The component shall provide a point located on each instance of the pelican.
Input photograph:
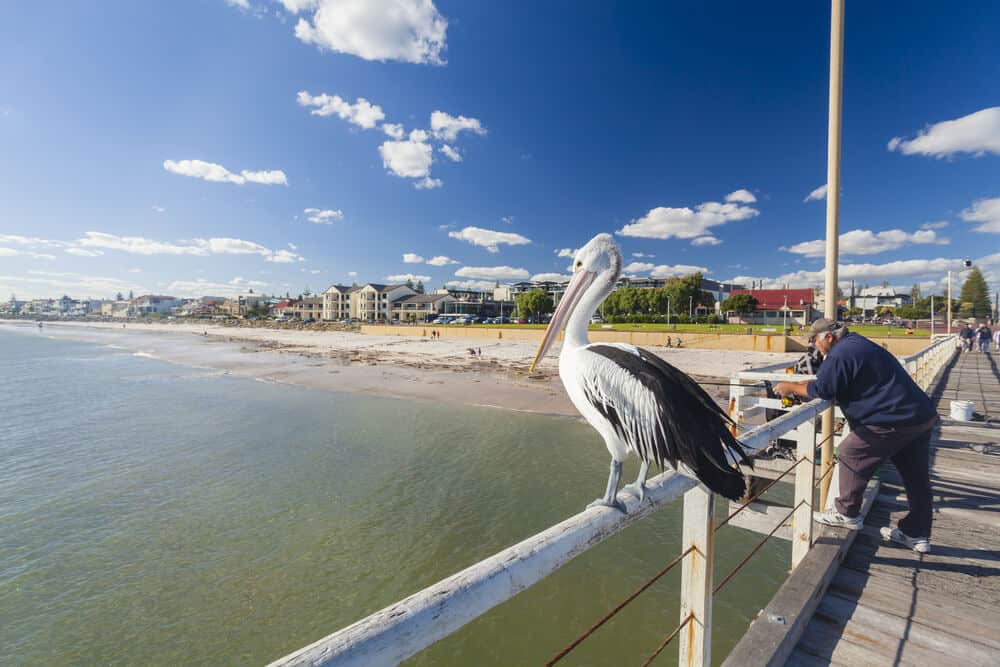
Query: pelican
(636, 401)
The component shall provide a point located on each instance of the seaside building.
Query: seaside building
(337, 302)
(374, 301)
(789, 307)
(154, 304)
(422, 307)
(308, 308)
(870, 300)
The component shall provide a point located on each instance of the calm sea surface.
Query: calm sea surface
(157, 514)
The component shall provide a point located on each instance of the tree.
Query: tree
(130, 297)
(419, 289)
(119, 297)
(739, 303)
(534, 303)
(975, 295)
(409, 283)
(915, 293)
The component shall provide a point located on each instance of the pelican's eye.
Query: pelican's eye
(579, 264)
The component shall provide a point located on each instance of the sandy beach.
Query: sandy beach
(402, 367)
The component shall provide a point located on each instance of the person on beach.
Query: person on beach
(890, 418)
(670, 343)
(996, 339)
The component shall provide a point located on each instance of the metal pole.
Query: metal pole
(932, 317)
(832, 209)
(948, 311)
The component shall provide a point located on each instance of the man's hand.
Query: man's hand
(792, 389)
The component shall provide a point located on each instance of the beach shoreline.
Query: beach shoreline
(495, 376)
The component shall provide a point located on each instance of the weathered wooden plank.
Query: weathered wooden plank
(973, 622)
(773, 635)
(857, 618)
(851, 645)
(762, 517)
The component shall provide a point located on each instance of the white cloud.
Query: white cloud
(640, 255)
(30, 241)
(159, 209)
(292, 246)
(202, 287)
(362, 113)
(138, 245)
(986, 211)
(817, 194)
(11, 252)
(418, 135)
(472, 285)
(492, 272)
(684, 223)
(705, 241)
(978, 133)
(242, 4)
(412, 258)
(669, 271)
(394, 130)
(565, 252)
(489, 239)
(403, 277)
(284, 257)
(934, 225)
(406, 30)
(507, 219)
(741, 196)
(323, 217)
(638, 267)
(407, 159)
(867, 242)
(441, 260)
(550, 278)
(82, 252)
(216, 173)
(352, 274)
(136, 270)
(446, 127)
(452, 154)
(41, 284)
(428, 183)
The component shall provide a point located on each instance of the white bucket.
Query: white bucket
(961, 410)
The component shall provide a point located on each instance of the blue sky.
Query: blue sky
(210, 147)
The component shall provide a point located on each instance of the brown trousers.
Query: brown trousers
(908, 447)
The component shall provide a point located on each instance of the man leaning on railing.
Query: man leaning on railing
(890, 418)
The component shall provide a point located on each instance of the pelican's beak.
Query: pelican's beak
(574, 292)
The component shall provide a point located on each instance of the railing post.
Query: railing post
(696, 577)
(802, 524)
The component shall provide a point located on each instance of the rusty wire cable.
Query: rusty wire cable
(669, 639)
(607, 617)
(756, 548)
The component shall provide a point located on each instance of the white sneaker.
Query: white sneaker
(921, 545)
(834, 518)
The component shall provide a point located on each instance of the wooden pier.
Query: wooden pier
(885, 604)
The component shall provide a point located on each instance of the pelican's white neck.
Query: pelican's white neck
(579, 319)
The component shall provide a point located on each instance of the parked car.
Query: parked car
(596, 319)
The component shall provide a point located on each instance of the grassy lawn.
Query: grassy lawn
(867, 330)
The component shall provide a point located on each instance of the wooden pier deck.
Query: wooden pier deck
(887, 605)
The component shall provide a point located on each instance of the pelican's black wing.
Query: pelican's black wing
(664, 416)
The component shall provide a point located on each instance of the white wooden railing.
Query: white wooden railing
(401, 630)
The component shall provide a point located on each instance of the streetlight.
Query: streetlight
(968, 265)
(691, 307)
(784, 315)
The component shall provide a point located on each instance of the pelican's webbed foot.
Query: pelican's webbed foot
(638, 487)
(613, 504)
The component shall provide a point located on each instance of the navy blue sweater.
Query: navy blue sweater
(870, 385)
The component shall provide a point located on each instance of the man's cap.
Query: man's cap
(824, 325)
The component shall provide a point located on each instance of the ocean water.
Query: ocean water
(157, 514)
